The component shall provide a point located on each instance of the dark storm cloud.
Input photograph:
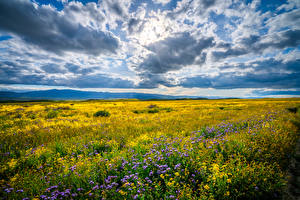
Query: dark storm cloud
(150, 81)
(53, 68)
(266, 74)
(174, 53)
(289, 38)
(257, 44)
(207, 3)
(98, 81)
(118, 9)
(12, 73)
(135, 25)
(50, 30)
(76, 69)
(229, 52)
(267, 65)
(232, 80)
(171, 54)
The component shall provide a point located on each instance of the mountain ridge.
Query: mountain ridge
(68, 94)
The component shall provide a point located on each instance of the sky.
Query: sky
(226, 48)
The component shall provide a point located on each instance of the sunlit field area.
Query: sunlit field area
(130, 149)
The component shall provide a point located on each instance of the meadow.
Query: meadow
(130, 149)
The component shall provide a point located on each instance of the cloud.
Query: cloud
(115, 11)
(258, 44)
(171, 54)
(249, 80)
(286, 20)
(207, 3)
(12, 73)
(256, 30)
(117, 7)
(229, 52)
(281, 40)
(135, 25)
(55, 31)
(163, 2)
(53, 68)
(76, 69)
(98, 81)
(195, 7)
(149, 80)
(269, 73)
(174, 53)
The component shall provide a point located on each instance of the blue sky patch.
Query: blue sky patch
(5, 37)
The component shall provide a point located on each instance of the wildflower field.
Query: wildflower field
(130, 149)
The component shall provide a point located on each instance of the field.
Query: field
(129, 149)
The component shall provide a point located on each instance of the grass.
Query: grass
(185, 149)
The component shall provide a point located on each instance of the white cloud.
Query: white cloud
(287, 20)
(163, 2)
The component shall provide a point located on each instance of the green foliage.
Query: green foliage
(18, 115)
(168, 109)
(60, 148)
(155, 110)
(31, 115)
(293, 109)
(52, 114)
(138, 111)
(102, 113)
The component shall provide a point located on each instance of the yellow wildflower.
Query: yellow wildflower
(12, 163)
(206, 187)
(122, 192)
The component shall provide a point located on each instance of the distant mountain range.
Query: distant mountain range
(81, 95)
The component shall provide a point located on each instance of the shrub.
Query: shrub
(102, 113)
(293, 110)
(138, 111)
(18, 115)
(167, 109)
(153, 110)
(52, 114)
(62, 108)
(31, 115)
